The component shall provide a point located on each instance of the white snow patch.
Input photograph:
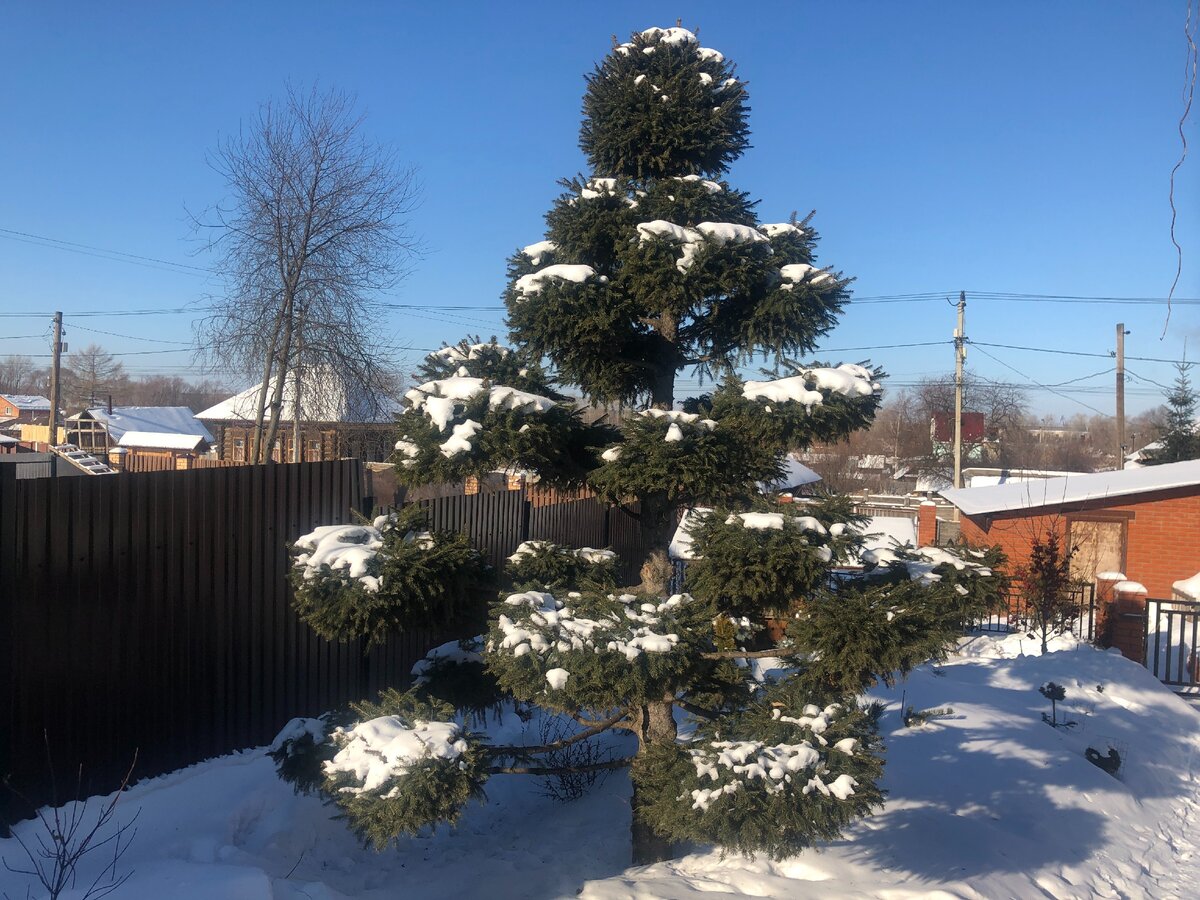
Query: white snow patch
(537, 251)
(557, 678)
(528, 285)
(377, 750)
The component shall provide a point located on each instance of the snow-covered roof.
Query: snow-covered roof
(162, 440)
(1068, 489)
(27, 401)
(157, 419)
(5, 439)
(795, 474)
(989, 477)
(324, 397)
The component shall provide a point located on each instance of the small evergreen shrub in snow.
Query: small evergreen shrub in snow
(366, 581)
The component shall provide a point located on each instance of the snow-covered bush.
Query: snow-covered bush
(546, 566)
(366, 581)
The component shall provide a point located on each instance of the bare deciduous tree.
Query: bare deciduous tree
(91, 376)
(313, 231)
(20, 375)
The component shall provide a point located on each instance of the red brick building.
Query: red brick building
(1144, 523)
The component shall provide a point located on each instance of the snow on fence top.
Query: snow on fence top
(533, 283)
(377, 750)
(848, 379)
(439, 399)
(1091, 487)
(1188, 587)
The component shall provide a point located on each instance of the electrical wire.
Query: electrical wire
(1065, 396)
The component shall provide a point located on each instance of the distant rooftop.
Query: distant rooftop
(27, 401)
(159, 419)
(1074, 488)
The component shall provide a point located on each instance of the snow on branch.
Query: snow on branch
(811, 386)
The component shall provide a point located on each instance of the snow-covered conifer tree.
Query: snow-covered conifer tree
(653, 264)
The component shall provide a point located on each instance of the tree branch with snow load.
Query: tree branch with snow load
(468, 421)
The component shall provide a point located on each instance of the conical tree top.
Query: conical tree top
(663, 105)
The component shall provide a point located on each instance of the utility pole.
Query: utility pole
(55, 380)
(960, 354)
(1121, 332)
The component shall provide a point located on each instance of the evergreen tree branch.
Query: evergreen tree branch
(596, 728)
(748, 654)
(561, 770)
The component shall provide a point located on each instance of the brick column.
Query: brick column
(1105, 582)
(1128, 620)
(927, 524)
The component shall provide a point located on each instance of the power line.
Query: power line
(1157, 359)
(150, 262)
(1065, 396)
(132, 337)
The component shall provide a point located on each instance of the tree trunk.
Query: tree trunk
(658, 726)
(285, 355)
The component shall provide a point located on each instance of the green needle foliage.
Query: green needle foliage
(653, 264)
(417, 579)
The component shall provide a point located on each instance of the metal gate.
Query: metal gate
(1173, 642)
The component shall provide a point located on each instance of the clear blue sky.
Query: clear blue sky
(1021, 148)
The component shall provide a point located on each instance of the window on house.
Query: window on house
(8, 411)
(239, 450)
(312, 451)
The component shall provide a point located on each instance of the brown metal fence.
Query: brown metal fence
(150, 612)
(498, 522)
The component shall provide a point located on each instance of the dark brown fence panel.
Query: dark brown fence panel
(150, 612)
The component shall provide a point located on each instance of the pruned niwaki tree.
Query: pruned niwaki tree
(651, 264)
(312, 230)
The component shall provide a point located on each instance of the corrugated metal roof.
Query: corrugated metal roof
(1074, 488)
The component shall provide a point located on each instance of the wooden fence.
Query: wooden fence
(150, 612)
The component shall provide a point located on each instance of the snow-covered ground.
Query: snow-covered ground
(988, 801)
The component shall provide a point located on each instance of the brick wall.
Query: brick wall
(1162, 533)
